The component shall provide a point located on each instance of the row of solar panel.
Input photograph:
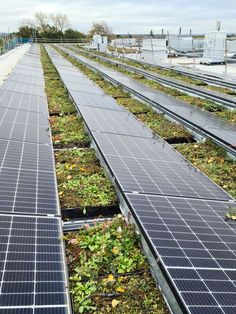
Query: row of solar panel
(121, 137)
(32, 265)
(203, 120)
(179, 210)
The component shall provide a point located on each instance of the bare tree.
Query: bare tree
(100, 28)
(41, 20)
(60, 21)
(27, 22)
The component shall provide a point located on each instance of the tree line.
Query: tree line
(57, 26)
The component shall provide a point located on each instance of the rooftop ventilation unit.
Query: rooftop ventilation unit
(214, 48)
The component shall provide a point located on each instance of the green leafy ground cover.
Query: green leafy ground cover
(82, 181)
(68, 129)
(109, 273)
(58, 100)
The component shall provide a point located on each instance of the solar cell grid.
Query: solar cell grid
(23, 88)
(163, 177)
(33, 133)
(93, 100)
(87, 88)
(26, 191)
(134, 147)
(111, 121)
(22, 101)
(74, 77)
(24, 70)
(21, 116)
(70, 74)
(196, 258)
(26, 79)
(24, 283)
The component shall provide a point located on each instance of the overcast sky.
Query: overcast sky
(133, 16)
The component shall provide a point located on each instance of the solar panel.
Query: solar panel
(94, 100)
(24, 70)
(22, 101)
(24, 126)
(20, 116)
(24, 88)
(163, 178)
(32, 265)
(203, 119)
(195, 246)
(27, 178)
(28, 156)
(87, 88)
(135, 147)
(33, 272)
(72, 76)
(113, 121)
(26, 79)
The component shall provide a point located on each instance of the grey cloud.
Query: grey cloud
(128, 16)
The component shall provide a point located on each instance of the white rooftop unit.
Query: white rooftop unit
(181, 44)
(154, 49)
(214, 48)
(124, 42)
(99, 43)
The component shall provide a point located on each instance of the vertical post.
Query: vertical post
(194, 59)
(139, 49)
(129, 43)
(226, 50)
(153, 57)
(169, 53)
(123, 46)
